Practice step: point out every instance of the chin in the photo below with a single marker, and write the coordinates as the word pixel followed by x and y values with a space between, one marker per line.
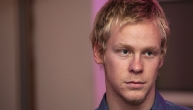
pixel 135 98
pixel 136 101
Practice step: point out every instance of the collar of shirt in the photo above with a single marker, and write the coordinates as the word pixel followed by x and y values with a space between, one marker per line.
pixel 159 103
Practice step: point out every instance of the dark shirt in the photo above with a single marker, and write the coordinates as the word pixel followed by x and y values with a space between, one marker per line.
pixel 159 104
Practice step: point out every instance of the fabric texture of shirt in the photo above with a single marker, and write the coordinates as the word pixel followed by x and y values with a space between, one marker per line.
pixel 159 104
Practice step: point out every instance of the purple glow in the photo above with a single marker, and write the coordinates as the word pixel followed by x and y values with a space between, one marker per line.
pixel 98 70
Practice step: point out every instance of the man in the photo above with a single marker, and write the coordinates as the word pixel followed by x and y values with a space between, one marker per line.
pixel 129 39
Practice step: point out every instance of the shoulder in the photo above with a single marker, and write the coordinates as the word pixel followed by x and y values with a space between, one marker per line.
pixel 161 104
pixel 103 104
pixel 171 106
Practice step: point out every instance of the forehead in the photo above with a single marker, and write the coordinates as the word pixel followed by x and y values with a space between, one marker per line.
pixel 142 33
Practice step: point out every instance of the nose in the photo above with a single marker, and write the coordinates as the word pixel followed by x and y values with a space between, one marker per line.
pixel 136 65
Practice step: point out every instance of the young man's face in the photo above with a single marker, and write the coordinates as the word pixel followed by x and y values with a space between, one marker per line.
pixel 131 62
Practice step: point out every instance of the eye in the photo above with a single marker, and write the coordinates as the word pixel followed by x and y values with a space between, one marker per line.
pixel 124 51
pixel 149 53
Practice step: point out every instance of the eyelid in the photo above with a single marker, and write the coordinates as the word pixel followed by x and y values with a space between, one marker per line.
pixel 123 47
pixel 124 50
pixel 153 53
pixel 120 52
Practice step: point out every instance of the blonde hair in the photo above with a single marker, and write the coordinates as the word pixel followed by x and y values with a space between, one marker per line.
pixel 127 11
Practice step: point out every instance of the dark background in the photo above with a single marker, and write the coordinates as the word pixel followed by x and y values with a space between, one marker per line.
pixel 177 71
pixel 176 75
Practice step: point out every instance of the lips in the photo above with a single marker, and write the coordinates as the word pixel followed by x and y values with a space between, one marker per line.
pixel 135 84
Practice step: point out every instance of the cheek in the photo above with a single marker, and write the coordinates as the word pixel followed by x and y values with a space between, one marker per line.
pixel 114 74
pixel 110 67
pixel 114 68
pixel 115 65
pixel 152 69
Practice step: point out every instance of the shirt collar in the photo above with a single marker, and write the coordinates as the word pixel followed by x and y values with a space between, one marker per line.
pixel 159 103
pixel 103 104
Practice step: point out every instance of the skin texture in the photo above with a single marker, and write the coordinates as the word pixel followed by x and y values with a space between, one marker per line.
pixel 131 63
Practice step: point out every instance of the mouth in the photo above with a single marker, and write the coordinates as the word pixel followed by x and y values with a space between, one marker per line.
pixel 135 84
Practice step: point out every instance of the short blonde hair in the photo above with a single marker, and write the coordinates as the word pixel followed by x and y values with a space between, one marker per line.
pixel 127 11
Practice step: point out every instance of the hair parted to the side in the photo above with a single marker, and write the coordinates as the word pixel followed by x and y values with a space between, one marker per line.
pixel 127 11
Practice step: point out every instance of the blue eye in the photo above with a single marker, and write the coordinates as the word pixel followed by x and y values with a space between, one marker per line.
pixel 149 53
pixel 125 51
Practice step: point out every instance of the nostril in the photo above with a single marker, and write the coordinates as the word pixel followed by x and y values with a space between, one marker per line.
pixel 136 71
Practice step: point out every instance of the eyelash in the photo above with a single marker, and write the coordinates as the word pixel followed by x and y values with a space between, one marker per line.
pixel 147 53
pixel 152 53
pixel 124 51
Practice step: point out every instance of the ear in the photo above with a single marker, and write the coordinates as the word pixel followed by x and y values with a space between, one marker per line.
pixel 97 55
pixel 161 62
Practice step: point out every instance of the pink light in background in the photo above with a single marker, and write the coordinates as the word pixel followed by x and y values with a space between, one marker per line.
pixel 98 70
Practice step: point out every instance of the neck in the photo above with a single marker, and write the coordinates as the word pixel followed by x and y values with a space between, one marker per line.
pixel 115 102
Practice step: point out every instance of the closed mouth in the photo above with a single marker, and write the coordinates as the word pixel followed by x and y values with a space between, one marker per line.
pixel 135 85
pixel 135 82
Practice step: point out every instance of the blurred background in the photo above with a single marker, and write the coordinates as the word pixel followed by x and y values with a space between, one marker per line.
pixel 46 57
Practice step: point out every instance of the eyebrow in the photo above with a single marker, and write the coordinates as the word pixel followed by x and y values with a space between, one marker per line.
pixel 154 49
pixel 121 45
